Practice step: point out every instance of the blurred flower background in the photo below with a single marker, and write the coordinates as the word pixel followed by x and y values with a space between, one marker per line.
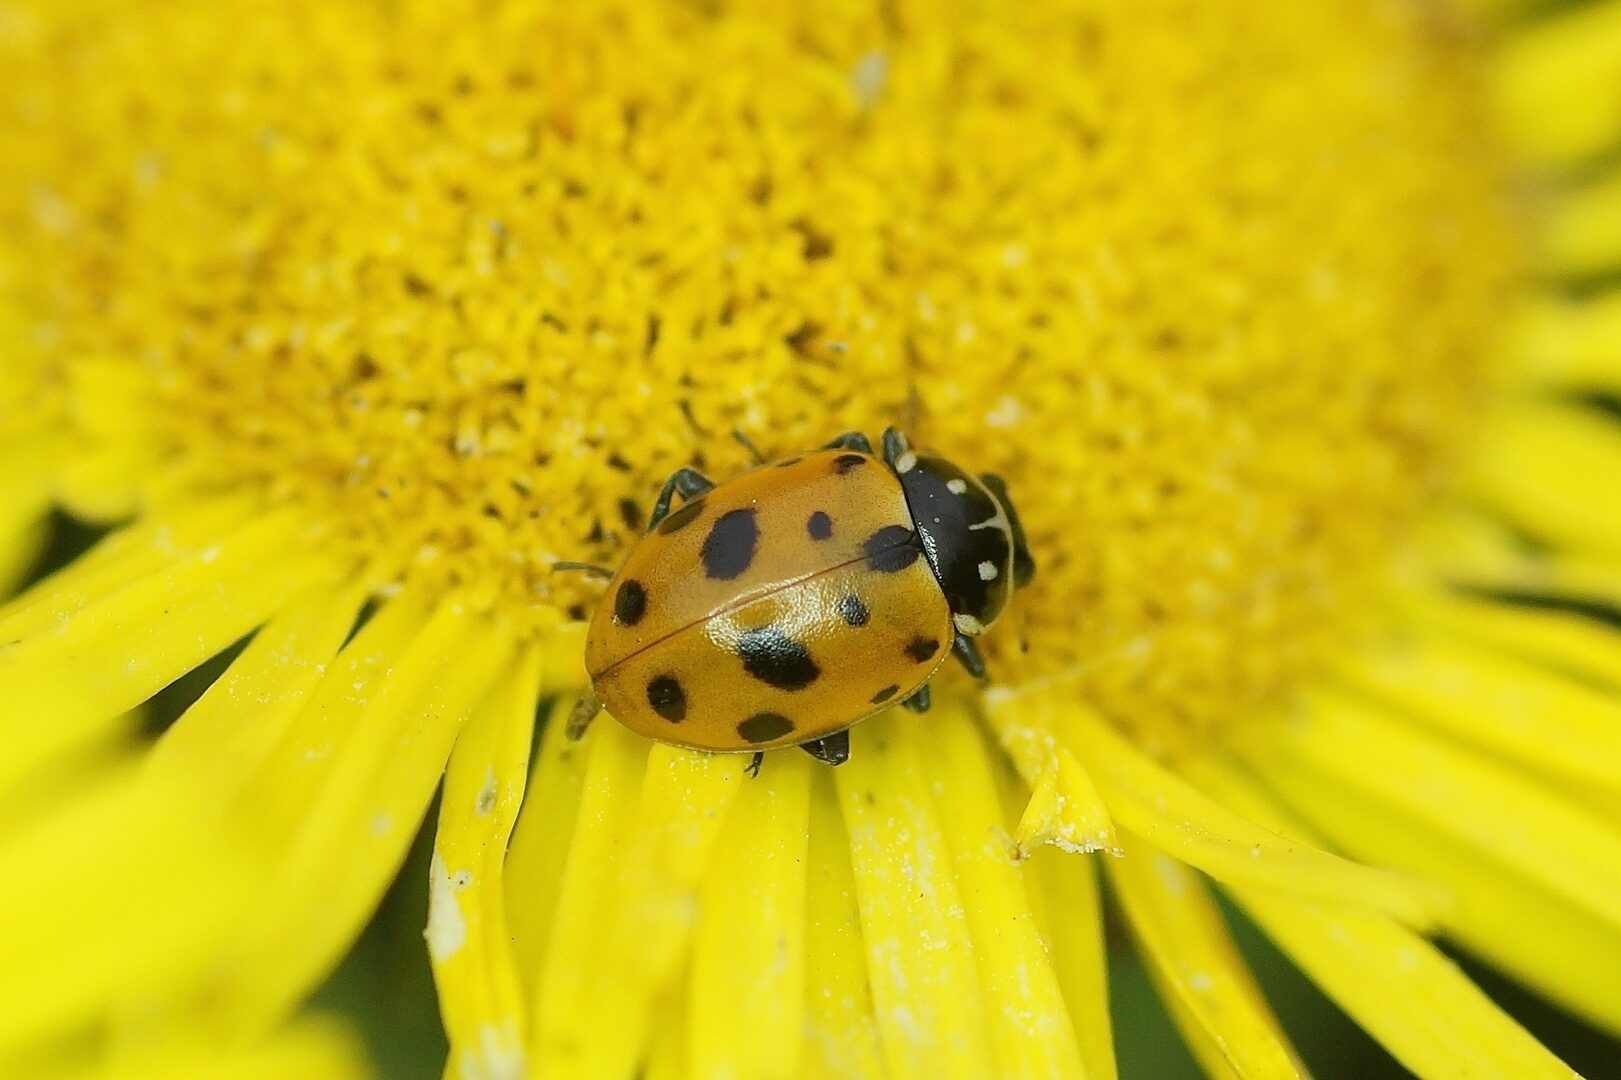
pixel 326 329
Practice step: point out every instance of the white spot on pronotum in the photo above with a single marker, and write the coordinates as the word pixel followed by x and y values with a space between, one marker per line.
pixel 968 624
pixel 447 930
pixel 486 794
pixel 987 571
pixel 906 462
pixel 957 485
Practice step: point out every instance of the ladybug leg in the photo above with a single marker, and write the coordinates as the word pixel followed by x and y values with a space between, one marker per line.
pixel 748 444
pixel 967 654
pixel 895 445
pixel 851 440
pixel 920 701
pixel 585 711
pixel 753 767
pixel 689 482
pixel 831 749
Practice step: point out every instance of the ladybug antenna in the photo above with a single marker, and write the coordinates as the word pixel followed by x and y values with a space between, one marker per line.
pixel 754 451
pixel 583 567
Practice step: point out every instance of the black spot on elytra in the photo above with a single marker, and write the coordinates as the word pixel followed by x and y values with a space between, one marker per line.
pixel 853 611
pixel 729 547
pixel 891 548
pixel 885 694
pixel 667 698
pixel 765 727
pixel 845 462
pixel 776 659
pixel 630 602
pixel 922 649
pixel 681 518
pixel 820 526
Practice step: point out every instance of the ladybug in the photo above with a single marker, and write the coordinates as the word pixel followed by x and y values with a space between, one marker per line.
pixel 799 598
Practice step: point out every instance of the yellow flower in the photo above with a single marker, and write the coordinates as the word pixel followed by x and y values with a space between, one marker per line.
pixel 350 320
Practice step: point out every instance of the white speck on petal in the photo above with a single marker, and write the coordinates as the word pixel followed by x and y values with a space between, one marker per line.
pixel 486 794
pixel 447 930
pixel 498 1057
pixel 381 823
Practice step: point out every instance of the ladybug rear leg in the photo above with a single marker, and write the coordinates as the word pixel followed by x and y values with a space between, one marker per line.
pixel 831 749
pixel 689 482
pixel 967 654
pixel 585 710
pixel 851 440
pixel 920 701
pixel 753 767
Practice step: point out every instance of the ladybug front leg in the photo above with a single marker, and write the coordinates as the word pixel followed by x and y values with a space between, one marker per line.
pixel 689 482
pixel 895 446
pixel 851 440
pixel 920 701
pixel 831 749
pixel 967 654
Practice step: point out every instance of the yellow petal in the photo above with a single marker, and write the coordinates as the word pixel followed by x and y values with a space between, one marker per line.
pixel 1581 231
pixel 920 958
pixel 311 1049
pixel 1218 1008
pixel 629 898
pixel 370 769
pixel 183 533
pixel 90 665
pixel 1517 710
pixel 541 841
pixel 1558 85
pixel 1569 344
pixel 1488 806
pixel 748 953
pixel 1073 930
pixel 667 1046
pixel 1063 894
pixel 22 542
pixel 1397 986
pixel 1064 808
pixel 229 732
pixel 25 500
pixel 1559 640
pixel 480 999
pixel 1551 469
pixel 1169 813
pixel 1026 1018
pixel 1534 877
pixel 842 1037
pixel 116 896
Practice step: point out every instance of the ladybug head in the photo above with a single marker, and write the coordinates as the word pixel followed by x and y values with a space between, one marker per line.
pixel 969 531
